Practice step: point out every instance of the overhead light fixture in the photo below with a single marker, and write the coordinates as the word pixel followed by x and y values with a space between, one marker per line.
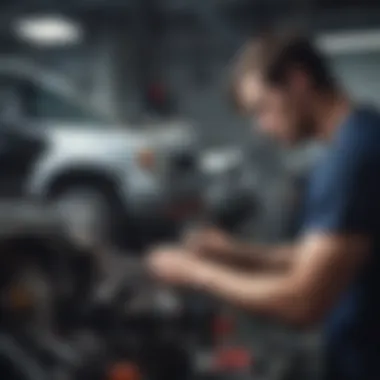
pixel 48 30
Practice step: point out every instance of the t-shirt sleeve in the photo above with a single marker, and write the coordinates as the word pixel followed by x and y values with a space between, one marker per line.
pixel 348 189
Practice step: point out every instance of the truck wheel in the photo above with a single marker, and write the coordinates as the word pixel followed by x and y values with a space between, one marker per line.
pixel 88 213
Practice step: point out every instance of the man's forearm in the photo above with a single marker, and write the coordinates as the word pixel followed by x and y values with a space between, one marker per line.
pixel 323 267
pixel 269 294
pixel 260 257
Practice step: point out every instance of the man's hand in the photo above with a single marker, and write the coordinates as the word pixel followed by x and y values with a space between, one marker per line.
pixel 210 242
pixel 173 266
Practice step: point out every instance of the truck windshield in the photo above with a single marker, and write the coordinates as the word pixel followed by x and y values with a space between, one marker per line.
pixel 31 93
pixel 42 103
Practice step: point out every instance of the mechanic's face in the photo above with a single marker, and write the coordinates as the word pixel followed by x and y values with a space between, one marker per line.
pixel 282 112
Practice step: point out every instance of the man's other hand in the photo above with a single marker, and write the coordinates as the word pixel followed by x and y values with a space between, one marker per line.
pixel 174 266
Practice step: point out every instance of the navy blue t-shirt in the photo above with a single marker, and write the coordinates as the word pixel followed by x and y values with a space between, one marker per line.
pixel 344 198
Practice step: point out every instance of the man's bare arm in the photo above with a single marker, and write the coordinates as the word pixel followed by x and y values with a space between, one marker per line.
pixel 260 257
pixel 323 267
pixel 214 244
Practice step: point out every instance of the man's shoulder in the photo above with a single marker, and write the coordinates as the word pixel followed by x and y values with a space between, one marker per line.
pixel 356 145
pixel 363 123
pixel 360 133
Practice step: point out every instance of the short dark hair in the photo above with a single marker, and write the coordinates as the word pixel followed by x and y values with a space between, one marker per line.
pixel 273 54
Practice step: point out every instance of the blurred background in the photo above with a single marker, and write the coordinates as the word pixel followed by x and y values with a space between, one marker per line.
pixel 116 134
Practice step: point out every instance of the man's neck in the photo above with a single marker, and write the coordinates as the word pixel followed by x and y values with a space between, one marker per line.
pixel 331 111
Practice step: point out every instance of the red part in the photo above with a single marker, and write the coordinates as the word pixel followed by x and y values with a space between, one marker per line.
pixel 124 371
pixel 233 359
pixel 157 93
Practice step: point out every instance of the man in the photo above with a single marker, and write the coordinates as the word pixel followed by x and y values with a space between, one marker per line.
pixel 331 273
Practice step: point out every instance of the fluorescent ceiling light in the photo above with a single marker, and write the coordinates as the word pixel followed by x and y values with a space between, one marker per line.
pixel 350 42
pixel 48 30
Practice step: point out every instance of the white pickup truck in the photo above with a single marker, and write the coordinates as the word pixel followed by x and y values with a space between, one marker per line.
pixel 112 180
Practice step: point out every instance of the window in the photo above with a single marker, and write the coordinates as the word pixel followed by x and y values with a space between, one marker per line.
pixel 41 103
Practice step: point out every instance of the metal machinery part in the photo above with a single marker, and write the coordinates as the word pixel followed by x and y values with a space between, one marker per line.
pixel 72 313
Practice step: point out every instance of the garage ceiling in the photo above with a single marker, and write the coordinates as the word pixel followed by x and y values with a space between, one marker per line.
pixel 238 15
pixel 187 4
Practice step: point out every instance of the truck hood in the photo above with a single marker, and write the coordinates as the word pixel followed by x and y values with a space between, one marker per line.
pixel 113 136
pixel 90 137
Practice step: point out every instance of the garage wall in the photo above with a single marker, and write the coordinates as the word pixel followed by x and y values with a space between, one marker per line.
pixel 206 103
